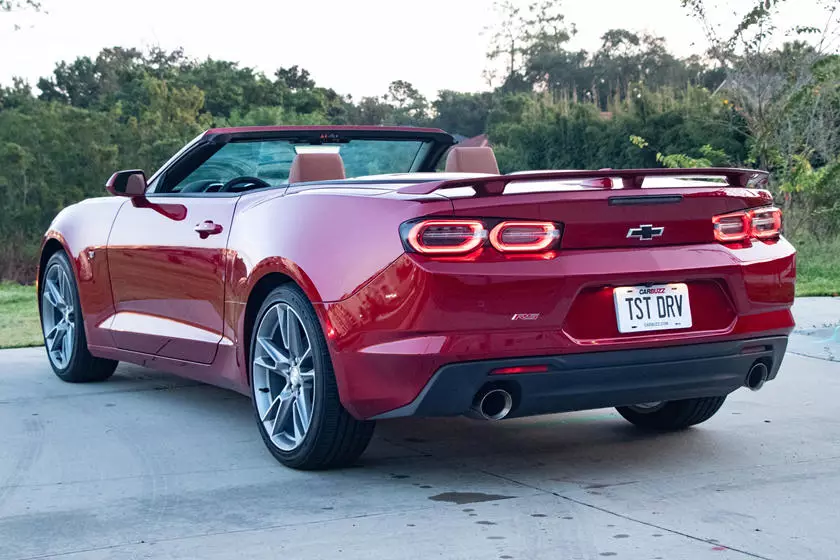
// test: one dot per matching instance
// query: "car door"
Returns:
(166, 253)
(166, 256)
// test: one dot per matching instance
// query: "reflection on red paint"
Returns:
(175, 212)
(541, 256)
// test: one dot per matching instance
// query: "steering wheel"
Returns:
(244, 180)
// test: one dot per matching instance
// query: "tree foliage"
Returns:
(789, 99)
(629, 103)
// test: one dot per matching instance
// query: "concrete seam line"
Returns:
(661, 528)
(627, 517)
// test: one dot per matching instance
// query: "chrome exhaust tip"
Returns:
(492, 404)
(757, 376)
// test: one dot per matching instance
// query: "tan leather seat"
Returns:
(472, 160)
(316, 167)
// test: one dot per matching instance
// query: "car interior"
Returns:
(316, 167)
(323, 166)
(472, 160)
(308, 167)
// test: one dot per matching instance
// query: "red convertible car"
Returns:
(342, 275)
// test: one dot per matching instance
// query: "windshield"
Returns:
(271, 160)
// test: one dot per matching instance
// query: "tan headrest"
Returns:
(316, 167)
(472, 160)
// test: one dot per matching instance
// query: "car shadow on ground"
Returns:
(590, 448)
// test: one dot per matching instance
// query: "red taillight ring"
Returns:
(775, 215)
(748, 229)
(479, 234)
(549, 231)
(741, 235)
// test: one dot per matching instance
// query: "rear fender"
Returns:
(238, 313)
(329, 244)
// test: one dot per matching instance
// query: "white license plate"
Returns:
(652, 308)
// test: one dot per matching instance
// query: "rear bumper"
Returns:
(599, 379)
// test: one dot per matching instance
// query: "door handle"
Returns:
(207, 228)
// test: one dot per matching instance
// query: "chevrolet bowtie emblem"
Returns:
(645, 232)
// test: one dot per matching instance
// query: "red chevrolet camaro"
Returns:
(342, 275)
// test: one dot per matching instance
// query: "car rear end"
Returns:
(571, 291)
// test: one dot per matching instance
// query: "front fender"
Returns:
(82, 231)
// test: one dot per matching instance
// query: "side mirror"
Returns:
(127, 183)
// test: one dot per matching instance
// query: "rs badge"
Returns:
(525, 317)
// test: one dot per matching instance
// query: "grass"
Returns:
(817, 262)
(818, 267)
(19, 322)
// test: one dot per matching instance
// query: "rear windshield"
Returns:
(271, 160)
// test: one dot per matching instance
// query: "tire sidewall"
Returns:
(60, 259)
(323, 368)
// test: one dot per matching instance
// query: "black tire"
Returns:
(82, 367)
(335, 439)
(673, 415)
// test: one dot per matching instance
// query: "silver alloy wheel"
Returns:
(647, 408)
(58, 316)
(283, 374)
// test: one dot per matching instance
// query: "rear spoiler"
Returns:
(630, 178)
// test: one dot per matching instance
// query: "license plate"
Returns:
(652, 308)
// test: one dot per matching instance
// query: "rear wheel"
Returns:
(64, 329)
(296, 402)
(671, 415)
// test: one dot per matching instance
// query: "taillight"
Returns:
(731, 227)
(761, 223)
(446, 237)
(524, 236)
(766, 223)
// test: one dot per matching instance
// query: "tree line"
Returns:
(629, 103)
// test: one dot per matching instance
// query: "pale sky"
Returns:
(352, 46)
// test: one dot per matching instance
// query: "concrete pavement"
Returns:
(147, 465)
